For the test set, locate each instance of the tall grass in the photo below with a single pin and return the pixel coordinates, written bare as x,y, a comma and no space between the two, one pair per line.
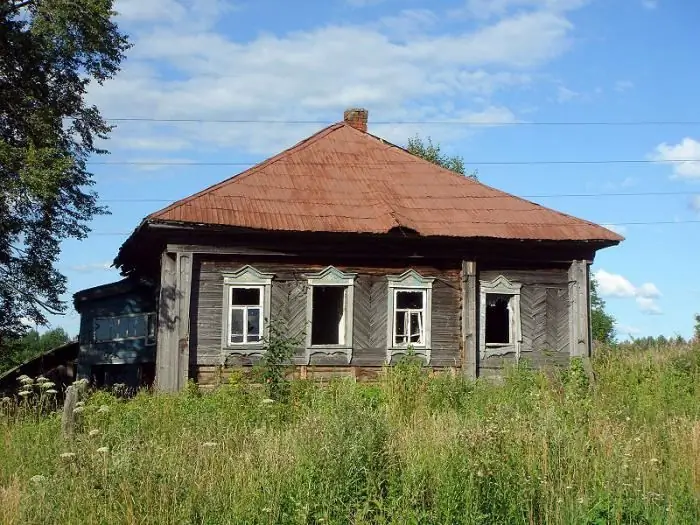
539,448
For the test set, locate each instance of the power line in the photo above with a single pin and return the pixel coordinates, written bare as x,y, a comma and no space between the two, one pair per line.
541,196
413,122
629,223
470,163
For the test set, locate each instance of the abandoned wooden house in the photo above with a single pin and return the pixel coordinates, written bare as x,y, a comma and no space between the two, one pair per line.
362,250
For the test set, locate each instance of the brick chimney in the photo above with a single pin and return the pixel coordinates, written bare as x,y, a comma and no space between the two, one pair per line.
357,118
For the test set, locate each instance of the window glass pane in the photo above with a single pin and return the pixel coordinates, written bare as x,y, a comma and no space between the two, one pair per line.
409,300
253,323
497,319
103,329
245,296
416,328
136,326
400,326
237,315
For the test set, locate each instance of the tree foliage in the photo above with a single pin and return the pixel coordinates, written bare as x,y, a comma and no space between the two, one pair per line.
432,153
602,323
50,52
18,350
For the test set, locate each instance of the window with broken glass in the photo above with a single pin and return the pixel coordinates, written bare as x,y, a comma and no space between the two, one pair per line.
245,314
409,317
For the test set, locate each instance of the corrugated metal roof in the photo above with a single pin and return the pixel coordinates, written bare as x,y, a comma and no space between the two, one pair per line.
344,180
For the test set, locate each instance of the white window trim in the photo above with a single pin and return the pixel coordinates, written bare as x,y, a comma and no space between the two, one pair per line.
501,285
331,276
246,277
150,318
410,281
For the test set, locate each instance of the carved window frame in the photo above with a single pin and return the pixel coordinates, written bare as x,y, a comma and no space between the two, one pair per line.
331,276
501,286
246,277
411,281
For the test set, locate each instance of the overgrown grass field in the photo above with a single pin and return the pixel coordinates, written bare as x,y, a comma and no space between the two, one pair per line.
538,448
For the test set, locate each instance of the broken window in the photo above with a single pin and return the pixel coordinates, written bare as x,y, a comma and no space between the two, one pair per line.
409,317
245,314
328,315
123,327
498,318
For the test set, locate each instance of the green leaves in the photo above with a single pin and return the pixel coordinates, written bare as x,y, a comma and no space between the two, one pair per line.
50,51
431,152
602,323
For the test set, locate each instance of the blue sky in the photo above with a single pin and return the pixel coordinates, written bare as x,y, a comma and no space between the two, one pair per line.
499,62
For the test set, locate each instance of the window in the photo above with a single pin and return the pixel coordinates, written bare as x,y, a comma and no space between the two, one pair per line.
328,315
409,313
246,308
246,311
125,327
329,311
409,317
500,317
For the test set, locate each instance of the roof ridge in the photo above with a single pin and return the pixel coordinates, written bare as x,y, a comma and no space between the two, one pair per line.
253,169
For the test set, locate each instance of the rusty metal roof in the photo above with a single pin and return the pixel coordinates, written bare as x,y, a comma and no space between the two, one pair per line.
344,180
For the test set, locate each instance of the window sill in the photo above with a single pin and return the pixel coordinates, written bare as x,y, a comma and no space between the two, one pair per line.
244,348
421,351
329,350
498,349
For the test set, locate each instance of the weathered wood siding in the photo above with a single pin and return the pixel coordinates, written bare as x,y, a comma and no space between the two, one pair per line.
288,304
544,304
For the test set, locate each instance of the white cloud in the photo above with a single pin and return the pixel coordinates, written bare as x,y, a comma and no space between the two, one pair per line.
695,203
565,94
650,4
623,85
176,69
489,8
615,285
617,228
688,148
626,330
91,267
648,306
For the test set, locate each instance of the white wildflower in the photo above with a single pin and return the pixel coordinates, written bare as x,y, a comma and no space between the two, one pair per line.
266,509
80,404
26,380
46,384
267,401
24,393
103,450
653,460
103,409
6,400
52,391
78,410
23,377
41,379
209,444
37,479
93,432
569,487
68,455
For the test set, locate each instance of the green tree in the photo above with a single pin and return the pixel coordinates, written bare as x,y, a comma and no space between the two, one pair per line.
696,329
20,349
602,323
431,152
50,53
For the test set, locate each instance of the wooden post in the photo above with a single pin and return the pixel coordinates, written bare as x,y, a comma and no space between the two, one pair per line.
173,349
184,289
68,416
166,349
579,310
469,323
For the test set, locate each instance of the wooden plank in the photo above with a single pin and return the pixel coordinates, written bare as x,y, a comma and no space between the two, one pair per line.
184,290
469,302
167,351
579,307
224,250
